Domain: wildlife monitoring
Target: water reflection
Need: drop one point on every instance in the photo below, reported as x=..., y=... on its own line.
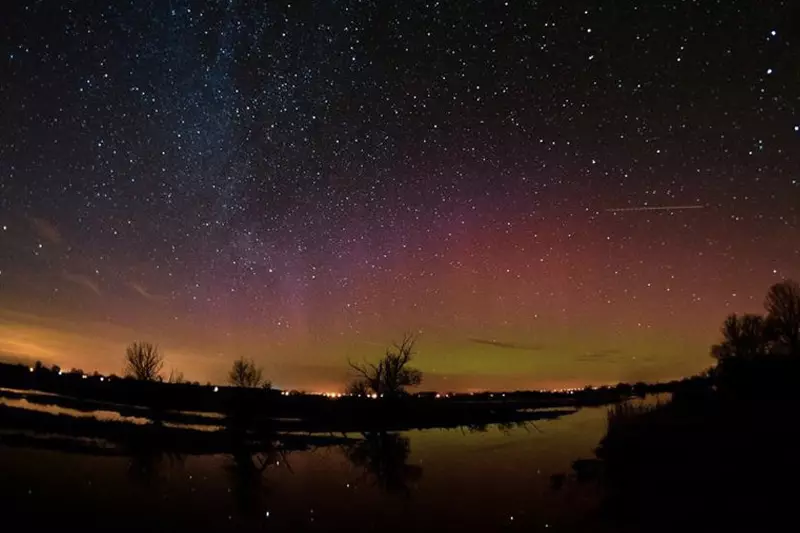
x=150, y=457
x=98, y=414
x=383, y=456
x=504, y=427
x=246, y=471
x=474, y=478
x=148, y=464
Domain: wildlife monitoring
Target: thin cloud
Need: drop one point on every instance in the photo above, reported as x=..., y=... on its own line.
x=145, y=293
x=15, y=358
x=599, y=356
x=84, y=281
x=46, y=230
x=507, y=345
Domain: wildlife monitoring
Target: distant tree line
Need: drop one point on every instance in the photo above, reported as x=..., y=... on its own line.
x=144, y=362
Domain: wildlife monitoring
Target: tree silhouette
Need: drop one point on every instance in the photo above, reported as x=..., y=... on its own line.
x=246, y=374
x=743, y=338
x=783, y=315
x=391, y=375
x=143, y=361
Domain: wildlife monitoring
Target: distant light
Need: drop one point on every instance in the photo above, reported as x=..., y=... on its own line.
x=797, y=128
x=769, y=71
x=60, y=372
x=773, y=33
x=438, y=395
x=216, y=389
x=374, y=396
x=266, y=514
x=31, y=369
x=101, y=378
x=347, y=485
x=84, y=376
x=512, y=518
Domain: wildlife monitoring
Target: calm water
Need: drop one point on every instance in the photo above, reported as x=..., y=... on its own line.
x=418, y=480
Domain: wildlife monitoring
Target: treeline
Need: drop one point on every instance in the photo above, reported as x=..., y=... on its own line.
x=717, y=456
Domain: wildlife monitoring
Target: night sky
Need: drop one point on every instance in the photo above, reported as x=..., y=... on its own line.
x=301, y=183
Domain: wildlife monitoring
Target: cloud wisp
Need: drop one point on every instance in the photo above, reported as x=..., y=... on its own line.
x=607, y=356
x=84, y=281
x=46, y=230
x=144, y=293
x=506, y=345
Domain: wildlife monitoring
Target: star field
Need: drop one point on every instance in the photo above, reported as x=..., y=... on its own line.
x=301, y=182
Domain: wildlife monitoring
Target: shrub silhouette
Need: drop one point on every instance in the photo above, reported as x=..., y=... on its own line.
x=744, y=337
x=246, y=374
x=783, y=316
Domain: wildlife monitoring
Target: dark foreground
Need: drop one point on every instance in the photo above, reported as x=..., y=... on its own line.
x=490, y=479
x=721, y=458
x=718, y=454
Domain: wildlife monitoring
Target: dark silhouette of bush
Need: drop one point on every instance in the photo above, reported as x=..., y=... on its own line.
x=246, y=374
x=390, y=377
x=783, y=316
x=744, y=337
x=143, y=361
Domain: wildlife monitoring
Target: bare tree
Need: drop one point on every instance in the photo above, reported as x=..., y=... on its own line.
x=143, y=361
x=245, y=373
x=743, y=337
x=391, y=375
x=783, y=314
x=176, y=376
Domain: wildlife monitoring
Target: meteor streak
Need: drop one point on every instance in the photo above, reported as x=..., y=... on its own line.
x=655, y=208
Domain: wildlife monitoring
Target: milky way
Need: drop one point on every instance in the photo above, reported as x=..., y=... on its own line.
x=301, y=183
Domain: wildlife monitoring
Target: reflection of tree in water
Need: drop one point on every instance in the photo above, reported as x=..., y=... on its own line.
x=148, y=458
x=384, y=456
x=246, y=472
x=504, y=427
x=253, y=445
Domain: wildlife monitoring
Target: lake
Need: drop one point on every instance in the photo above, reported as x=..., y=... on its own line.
x=425, y=480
